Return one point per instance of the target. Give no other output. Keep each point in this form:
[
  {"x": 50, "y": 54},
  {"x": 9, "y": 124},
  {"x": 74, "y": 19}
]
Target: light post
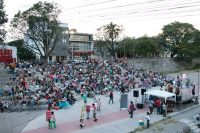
[
  {"x": 71, "y": 32},
  {"x": 72, "y": 51}
]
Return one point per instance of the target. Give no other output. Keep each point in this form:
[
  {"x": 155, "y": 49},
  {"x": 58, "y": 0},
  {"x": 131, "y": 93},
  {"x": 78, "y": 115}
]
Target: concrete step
[
  {"x": 191, "y": 125},
  {"x": 193, "y": 128},
  {"x": 196, "y": 130},
  {"x": 186, "y": 121}
]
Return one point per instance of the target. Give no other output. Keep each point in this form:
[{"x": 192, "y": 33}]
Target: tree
[
  {"x": 22, "y": 52},
  {"x": 110, "y": 34},
  {"x": 39, "y": 26},
  {"x": 196, "y": 44},
  {"x": 3, "y": 20},
  {"x": 100, "y": 47},
  {"x": 180, "y": 38},
  {"x": 147, "y": 47},
  {"x": 126, "y": 47}
]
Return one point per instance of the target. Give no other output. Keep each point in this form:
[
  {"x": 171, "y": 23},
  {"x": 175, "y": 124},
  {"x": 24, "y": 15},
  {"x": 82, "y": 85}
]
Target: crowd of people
[
  {"x": 54, "y": 84},
  {"x": 60, "y": 85}
]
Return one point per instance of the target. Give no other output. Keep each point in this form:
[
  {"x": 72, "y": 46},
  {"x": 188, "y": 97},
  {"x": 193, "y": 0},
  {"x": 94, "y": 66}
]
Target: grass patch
[{"x": 155, "y": 126}]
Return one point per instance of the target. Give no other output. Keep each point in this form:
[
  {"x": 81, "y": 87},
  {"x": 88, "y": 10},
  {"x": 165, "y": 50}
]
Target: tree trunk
[{"x": 44, "y": 59}]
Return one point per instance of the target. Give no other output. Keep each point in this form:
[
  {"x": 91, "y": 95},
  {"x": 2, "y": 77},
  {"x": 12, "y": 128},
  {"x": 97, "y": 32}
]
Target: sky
[{"x": 138, "y": 17}]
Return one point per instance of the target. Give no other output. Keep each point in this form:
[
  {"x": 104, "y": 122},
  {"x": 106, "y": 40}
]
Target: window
[
  {"x": 64, "y": 40},
  {"x": 50, "y": 58}
]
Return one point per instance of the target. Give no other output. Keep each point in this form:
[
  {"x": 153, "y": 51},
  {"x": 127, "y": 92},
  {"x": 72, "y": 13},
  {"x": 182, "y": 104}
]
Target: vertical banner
[{"x": 124, "y": 101}]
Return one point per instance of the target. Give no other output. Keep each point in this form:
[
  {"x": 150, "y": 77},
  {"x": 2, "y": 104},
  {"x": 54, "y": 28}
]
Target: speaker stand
[
  {"x": 136, "y": 101},
  {"x": 142, "y": 99}
]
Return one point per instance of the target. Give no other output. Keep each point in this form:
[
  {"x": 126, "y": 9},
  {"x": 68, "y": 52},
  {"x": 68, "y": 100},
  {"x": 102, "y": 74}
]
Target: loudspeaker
[
  {"x": 139, "y": 106},
  {"x": 143, "y": 91},
  {"x": 135, "y": 93}
]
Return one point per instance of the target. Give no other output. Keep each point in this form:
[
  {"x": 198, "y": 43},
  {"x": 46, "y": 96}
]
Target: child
[
  {"x": 48, "y": 116},
  {"x": 148, "y": 117},
  {"x": 94, "y": 112},
  {"x": 88, "y": 111},
  {"x": 52, "y": 120}
]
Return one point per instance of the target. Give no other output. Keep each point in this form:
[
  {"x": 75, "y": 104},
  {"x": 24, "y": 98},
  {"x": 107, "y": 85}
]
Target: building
[
  {"x": 71, "y": 45},
  {"x": 60, "y": 52},
  {"x": 81, "y": 45},
  {"x": 8, "y": 54}
]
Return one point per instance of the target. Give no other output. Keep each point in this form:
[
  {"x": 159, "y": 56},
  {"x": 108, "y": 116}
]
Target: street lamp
[{"x": 70, "y": 33}]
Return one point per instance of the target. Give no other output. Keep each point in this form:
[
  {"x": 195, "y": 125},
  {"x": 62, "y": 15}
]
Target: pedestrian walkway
[{"x": 110, "y": 119}]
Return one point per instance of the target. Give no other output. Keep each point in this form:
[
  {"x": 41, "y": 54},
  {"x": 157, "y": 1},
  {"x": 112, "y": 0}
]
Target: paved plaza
[{"x": 110, "y": 119}]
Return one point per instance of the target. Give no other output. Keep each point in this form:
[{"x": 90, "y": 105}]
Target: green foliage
[
  {"x": 181, "y": 39},
  {"x": 100, "y": 47},
  {"x": 110, "y": 34},
  {"x": 147, "y": 47},
  {"x": 40, "y": 27},
  {"x": 140, "y": 47},
  {"x": 3, "y": 20},
  {"x": 126, "y": 47},
  {"x": 22, "y": 52}
]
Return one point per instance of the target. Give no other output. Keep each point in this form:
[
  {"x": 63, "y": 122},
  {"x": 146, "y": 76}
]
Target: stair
[
  {"x": 196, "y": 130},
  {"x": 191, "y": 123}
]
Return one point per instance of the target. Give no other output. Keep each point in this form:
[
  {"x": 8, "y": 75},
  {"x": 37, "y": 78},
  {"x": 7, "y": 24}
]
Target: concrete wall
[{"x": 156, "y": 65}]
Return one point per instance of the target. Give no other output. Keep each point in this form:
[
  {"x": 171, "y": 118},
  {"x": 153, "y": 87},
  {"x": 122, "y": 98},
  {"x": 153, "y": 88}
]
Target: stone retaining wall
[{"x": 156, "y": 65}]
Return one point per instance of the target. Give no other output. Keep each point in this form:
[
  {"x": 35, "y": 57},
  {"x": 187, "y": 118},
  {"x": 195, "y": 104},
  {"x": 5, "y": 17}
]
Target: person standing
[
  {"x": 94, "y": 112},
  {"x": 111, "y": 96},
  {"x": 48, "y": 116},
  {"x": 158, "y": 105},
  {"x": 193, "y": 89},
  {"x": 131, "y": 109},
  {"x": 164, "y": 109},
  {"x": 53, "y": 120},
  {"x": 148, "y": 118},
  {"x": 150, "y": 104},
  {"x": 88, "y": 111},
  {"x": 99, "y": 105}
]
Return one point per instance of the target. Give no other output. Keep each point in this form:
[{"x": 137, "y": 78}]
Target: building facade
[
  {"x": 81, "y": 45},
  {"x": 8, "y": 54},
  {"x": 71, "y": 45},
  {"x": 60, "y": 52}
]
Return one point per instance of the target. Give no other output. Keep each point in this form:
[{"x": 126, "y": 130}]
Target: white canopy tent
[{"x": 162, "y": 94}]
